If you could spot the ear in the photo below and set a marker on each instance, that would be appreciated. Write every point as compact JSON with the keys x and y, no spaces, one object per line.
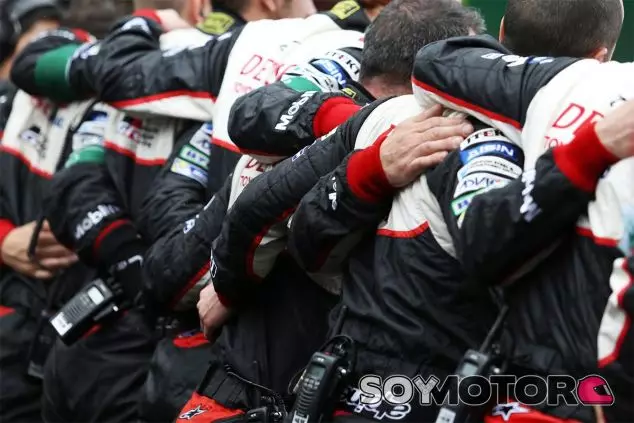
{"x":270,"y":6}
{"x":601,"y":54}
{"x":502,"y":30}
{"x":194,"y":12}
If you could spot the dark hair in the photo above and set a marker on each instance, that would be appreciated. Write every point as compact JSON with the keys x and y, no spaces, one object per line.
{"x":405,"y":26}
{"x":235,"y":6}
{"x":573,"y":28}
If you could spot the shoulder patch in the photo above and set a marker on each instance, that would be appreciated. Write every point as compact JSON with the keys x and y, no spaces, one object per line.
{"x":216,"y":23}
{"x":345,"y":9}
{"x":188,"y":170}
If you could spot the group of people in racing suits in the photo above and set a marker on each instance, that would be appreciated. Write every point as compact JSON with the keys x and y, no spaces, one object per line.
{"x":261,"y":182}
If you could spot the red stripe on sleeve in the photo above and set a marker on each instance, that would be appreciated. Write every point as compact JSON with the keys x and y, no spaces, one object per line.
{"x":366,"y":177}
{"x":333,"y":113}
{"x":584,"y":159}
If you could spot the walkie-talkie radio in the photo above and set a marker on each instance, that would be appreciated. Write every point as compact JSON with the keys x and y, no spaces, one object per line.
{"x":485,"y":362}
{"x":92,"y":304}
{"x":319,"y":388}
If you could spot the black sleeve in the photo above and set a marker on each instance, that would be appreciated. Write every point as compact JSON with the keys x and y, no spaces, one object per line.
{"x":253,"y":234}
{"x":177,"y":265}
{"x":180,"y":189}
{"x":132,"y":73}
{"x":86,"y":212}
{"x":480,"y":76}
{"x":42,"y":68}
{"x":280,"y":120}
{"x":498,"y":221}
{"x":331,"y":217}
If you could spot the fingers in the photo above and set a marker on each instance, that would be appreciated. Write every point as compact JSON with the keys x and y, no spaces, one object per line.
{"x":53,"y":250}
{"x":426,"y":148}
{"x":433,"y":111}
{"x":458,"y":125}
{"x":55,"y":263}
{"x":42,"y":274}
{"x":421,"y":164}
{"x":46,"y":237}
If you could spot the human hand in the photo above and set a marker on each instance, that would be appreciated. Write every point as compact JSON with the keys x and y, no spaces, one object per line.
{"x":419,"y":143}
{"x":211,"y":312}
{"x":616,"y":130}
{"x":171,"y":20}
{"x":50,"y":253}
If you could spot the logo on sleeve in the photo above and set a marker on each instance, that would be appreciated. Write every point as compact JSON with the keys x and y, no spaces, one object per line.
{"x":498,"y":149}
{"x":194,"y":156}
{"x":490,"y":164}
{"x":288,"y":117}
{"x":188,"y":170}
{"x":216,"y":23}
{"x":350,"y":65}
{"x":477,"y":181}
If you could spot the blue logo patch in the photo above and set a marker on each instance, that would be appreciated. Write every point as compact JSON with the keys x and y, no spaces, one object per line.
{"x":499,"y":149}
{"x":330,"y":67}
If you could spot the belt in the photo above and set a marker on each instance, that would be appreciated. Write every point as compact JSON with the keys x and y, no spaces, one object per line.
{"x":229,"y":389}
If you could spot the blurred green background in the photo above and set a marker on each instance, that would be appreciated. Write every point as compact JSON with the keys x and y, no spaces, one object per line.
{"x":494,"y":9}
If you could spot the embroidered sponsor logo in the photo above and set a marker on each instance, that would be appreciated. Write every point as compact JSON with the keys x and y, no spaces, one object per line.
{"x":460,"y":205}
{"x":507,"y":410}
{"x":87,"y":50}
{"x":194,"y":156}
{"x":489,"y":164}
{"x":190,"y":414}
{"x":482,"y":136}
{"x":529,"y":209}
{"x":94,"y":218}
{"x":184,"y":168}
{"x":134,"y":129}
{"x":500,"y":149}
{"x":350,"y":65}
{"x":201,"y":141}
{"x":345,"y":9}
{"x":514,"y":61}
{"x":477,"y":181}
{"x":287,"y":118}
{"x":216,"y":23}
{"x":331,"y":68}
{"x":91,"y":131}
{"x":34,"y":136}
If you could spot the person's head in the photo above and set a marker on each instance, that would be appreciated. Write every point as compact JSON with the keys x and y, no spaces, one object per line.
{"x":575,"y":28}
{"x":20,"y":21}
{"x":253,"y":10}
{"x":401,"y":29}
{"x":193,"y":11}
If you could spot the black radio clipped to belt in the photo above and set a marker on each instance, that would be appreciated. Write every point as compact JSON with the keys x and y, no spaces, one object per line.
{"x":324,"y":379}
{"x":94,"y":303}
{"x":320,"y":388}
{"x":484,"y":362}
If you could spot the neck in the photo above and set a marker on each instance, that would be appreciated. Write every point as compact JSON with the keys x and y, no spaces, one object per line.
{"x":381,"y":88}
{"x":253,"y":13}
{"x":373,"y":12}
{"x":5,"y":69}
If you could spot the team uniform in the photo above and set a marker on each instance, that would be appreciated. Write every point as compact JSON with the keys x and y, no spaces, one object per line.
{"x":92,"y":207}
{"x":179,"y":266}
{"x":482,"y":231}
{"x":33,"y":148}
